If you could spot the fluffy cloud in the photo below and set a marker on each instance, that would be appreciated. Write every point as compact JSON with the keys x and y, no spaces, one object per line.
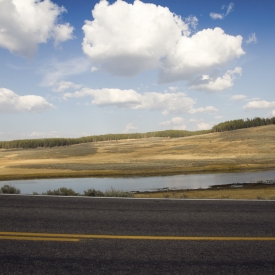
{"x":173,"y":121}
{"x":204,"y":126}
{"x":228,"y":9}
{"x":238,"y":97}
{"x":25,"y":24}
{"x":200,"y":124}
{"x":173,"y":89}
{"x":129,"y":128}
{"x":167,"y":102}
{"x":259,"y":105}
{"x":251,"y":39}
{"x":206,"y":110}
{"x":273,"y":113}
{"x":109,"y":97}
{"x":210,"y":84}
{"x":199,"y":54}
{"x":176,"y":122}
{"x":126,"y":39}
{"x":215,"y":16}
{"x":10,"y":102}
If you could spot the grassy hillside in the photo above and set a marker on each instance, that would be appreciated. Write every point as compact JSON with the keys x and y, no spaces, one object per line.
{"x":252,"y":148}
{"x":53,"y":142}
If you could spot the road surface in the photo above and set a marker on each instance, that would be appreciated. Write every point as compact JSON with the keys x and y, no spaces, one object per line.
{"x":61,"y":235}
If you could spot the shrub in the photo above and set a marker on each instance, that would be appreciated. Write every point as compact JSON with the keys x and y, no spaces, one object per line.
{"x":93,"y":193}
{"x":63,"y":191}
{"x":8,"y":189}
{"x":117,"y":193}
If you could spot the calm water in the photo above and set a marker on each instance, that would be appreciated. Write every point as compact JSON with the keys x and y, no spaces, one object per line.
{"x":140,"y":184}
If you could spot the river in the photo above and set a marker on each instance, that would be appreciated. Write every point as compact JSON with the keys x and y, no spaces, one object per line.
{"x":191,"y":181}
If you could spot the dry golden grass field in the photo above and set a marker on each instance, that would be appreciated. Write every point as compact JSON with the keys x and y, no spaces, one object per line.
{"x":263,"y":192}
{"x":244,"y":149}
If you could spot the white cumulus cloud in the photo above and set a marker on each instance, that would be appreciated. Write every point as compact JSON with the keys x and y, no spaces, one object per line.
{"x":177,"y":123}
{"x":173,"y":89}
{"x":259,"y":105}
{"x":252,"y":39}
{"x":214,"y":15}
{"x":207,"y":83}
{"x":166,"y":102}
{"x":126,"y":39}
{"x":129,"y":128}
{"x":204,"y":126}
{"x":199,"y":54}
{"x":206,"y":110}
{"x":220,"y":16}
{"x":238,"y":97}
{"x":10,"y":102}
{"x":24,"y":24}
{"x":109,"y":97}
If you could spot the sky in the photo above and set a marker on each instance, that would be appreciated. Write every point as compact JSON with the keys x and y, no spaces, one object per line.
{"x":77,"y":68}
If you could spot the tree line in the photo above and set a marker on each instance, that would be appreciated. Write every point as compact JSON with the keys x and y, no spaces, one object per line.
{"x":241,"y":123}
{"x":52,"y":142}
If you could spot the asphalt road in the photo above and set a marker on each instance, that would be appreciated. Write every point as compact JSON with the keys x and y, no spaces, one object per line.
{"x":128,"y":217}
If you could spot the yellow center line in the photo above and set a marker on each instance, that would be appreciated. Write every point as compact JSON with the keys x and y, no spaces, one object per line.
{"x":19,"y":238}
{"x":77,"y":237}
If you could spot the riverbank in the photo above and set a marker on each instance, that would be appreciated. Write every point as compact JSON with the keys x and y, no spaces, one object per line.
{"x":240,"y":150}
{"x":254,"y":191}
{"x":249,"y":191}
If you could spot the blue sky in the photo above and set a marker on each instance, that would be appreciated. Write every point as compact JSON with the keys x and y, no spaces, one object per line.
{"x":75,"y":68}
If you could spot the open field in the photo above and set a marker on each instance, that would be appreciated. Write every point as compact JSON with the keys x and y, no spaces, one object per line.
{"x":244,"y":149}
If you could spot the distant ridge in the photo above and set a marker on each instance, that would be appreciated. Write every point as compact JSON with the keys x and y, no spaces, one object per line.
{"x":52,"y":142}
